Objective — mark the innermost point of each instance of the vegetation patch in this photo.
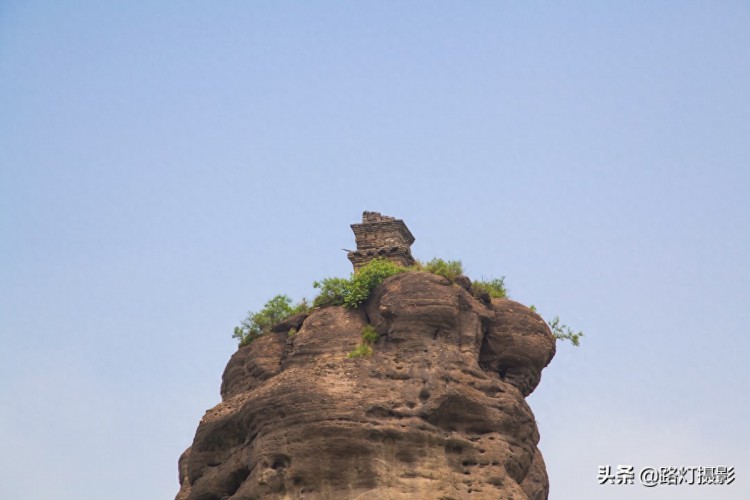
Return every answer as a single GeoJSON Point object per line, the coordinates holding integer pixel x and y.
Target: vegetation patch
{"type": "Point", "coordinates": [275, 310]}
{"type": "Point", "coordinates": [361, 351]}
{"type": "Point", "coordinates": [495, 288]}
{"type": "Point", "coordinates": [355, 290]}
{"type": "Point", "coordinates": [450, 269]}
{"type": "Point", "coordinates": [564, 332]}
{"type": "Point", "coordinates": [369, 337]}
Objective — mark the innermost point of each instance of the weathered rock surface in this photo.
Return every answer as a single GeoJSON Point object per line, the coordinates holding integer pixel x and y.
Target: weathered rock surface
{"type": "Point", "coordinates": [438, 411]}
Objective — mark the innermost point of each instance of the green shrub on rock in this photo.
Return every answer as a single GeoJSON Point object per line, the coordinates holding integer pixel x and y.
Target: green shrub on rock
{"type": "Point", "coordinates": [369, 276]}
{"type": "Point", "coordinates": [450, 269]}
{"type": "Point", "coordinates": [495, 288]}
{"type": "Point", "coordinates": [564, 332]}
{"type": "Point", "coordinates": [355, 290]}
{"type": "Point", "coordinates": [332, 292]}
{"type": "Point", "coordinates": [274, 311]}
{"type": "Point", "coordinates": [369, 334]}
{"type": "Point", "coordinates": [369, 337]}
{"type": "Point", "coordinates": [361, 351]}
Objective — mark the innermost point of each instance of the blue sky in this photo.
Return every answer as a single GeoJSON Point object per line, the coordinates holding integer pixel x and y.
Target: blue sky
{"type": "Point", "coordinates": [166, 167]}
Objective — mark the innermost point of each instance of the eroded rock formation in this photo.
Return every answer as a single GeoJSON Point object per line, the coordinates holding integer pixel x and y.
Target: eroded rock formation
{"type": "Point", "coordinates": [437, 412]}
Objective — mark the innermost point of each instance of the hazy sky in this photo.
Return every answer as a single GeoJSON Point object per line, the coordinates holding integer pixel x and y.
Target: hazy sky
{"type": "Point", "coordinates": [167, 166]}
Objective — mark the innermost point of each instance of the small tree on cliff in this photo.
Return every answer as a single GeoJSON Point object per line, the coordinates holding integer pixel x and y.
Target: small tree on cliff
{"type": "Point", "coordinates": [564, 332]}
{"type": "Point", "coordinates": [355, 290]}
{"type": "Point", "coordinates": [257, 324]}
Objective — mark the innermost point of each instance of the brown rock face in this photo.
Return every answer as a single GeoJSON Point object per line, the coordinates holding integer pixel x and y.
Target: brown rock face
{"type": "Point", "coordinates": [437, 411]}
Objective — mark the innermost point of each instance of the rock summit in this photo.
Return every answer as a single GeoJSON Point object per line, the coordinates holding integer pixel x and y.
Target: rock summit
{"type": "Point", "coordinates": [438, 411]}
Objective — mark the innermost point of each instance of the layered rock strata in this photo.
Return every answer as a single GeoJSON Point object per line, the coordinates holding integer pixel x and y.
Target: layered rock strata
{"type": "Point", "coordinates": [437, 412]}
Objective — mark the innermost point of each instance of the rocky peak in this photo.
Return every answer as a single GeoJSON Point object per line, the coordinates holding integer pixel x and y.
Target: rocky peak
{"type": "Point", "coordinates": [437, 411]}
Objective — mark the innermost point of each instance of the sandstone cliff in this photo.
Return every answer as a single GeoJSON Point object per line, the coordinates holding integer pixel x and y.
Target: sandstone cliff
{"type": "Point", "coordinates": [438, 411]}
